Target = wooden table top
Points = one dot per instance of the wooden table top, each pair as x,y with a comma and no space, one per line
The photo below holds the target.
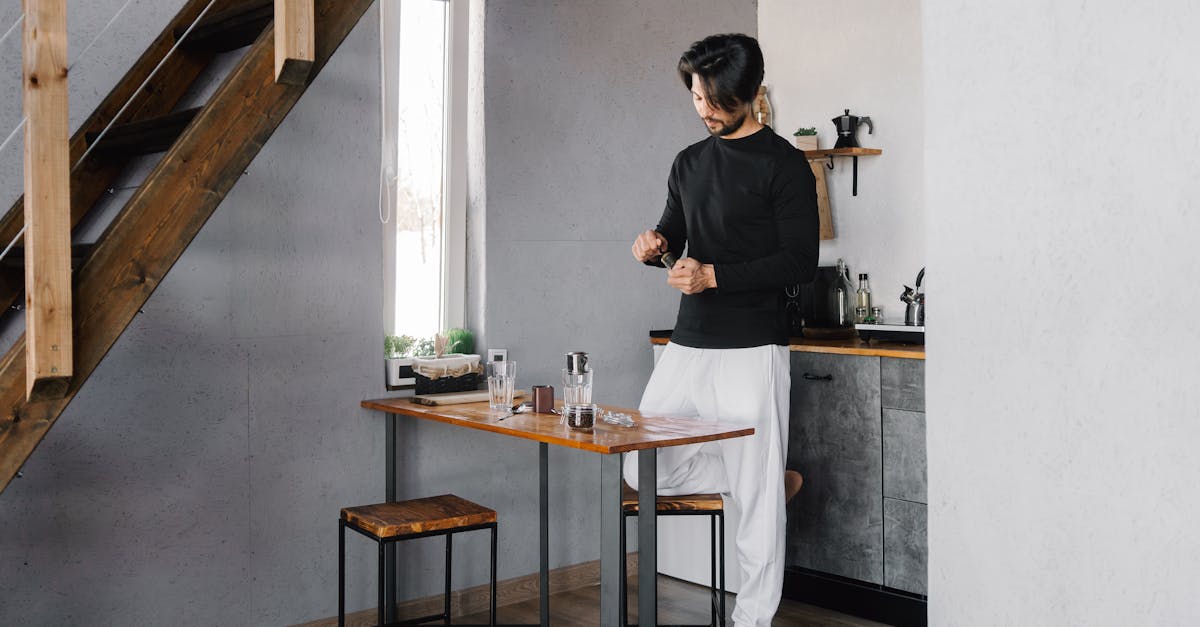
648,432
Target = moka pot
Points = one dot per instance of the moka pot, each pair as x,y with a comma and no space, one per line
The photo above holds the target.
847,129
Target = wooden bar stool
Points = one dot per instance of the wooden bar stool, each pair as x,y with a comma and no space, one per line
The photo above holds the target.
386,523
709,505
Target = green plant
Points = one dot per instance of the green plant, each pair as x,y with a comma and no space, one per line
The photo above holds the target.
809,130
460,341
397,346
424,347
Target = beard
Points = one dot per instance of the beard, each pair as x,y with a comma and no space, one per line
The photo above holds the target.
725,129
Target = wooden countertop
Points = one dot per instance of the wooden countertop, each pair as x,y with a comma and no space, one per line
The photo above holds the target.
847,346
648,432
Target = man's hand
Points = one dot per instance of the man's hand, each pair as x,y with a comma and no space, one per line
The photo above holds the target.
691,277
649,245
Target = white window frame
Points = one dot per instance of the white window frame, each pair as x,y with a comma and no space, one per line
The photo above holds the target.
452,296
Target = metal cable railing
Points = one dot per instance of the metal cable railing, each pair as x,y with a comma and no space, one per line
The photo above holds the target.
120,111
12,28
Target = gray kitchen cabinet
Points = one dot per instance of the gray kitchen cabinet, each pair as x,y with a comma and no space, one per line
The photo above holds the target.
904,469
835,524
905,547
903,383
904,473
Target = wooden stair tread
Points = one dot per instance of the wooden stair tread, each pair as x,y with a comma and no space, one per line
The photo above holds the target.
435,513
16,256
144,137
236,27
681,503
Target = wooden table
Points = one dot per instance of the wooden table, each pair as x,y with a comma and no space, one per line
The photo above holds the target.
611,441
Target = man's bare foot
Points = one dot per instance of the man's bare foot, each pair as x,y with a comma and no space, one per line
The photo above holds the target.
792,481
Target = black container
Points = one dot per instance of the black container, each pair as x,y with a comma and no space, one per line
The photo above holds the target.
440,385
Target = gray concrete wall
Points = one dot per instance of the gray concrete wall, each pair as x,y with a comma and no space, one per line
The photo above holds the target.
197,476
585,114
196,479
98,54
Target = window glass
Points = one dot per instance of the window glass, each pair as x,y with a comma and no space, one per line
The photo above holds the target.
420,177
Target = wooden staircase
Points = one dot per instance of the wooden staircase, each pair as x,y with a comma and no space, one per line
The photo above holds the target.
207,149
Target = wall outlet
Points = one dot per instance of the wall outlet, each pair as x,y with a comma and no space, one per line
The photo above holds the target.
497,354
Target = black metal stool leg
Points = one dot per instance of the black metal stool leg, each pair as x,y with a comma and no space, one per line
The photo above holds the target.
721,536
382,603
492,611
341,573
449,553
712,562
624,592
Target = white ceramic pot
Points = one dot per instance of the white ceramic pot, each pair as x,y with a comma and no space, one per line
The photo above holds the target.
393,371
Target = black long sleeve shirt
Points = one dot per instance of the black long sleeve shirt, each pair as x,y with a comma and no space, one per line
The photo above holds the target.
749,207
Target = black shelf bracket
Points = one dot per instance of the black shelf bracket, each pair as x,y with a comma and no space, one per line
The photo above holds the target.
854,176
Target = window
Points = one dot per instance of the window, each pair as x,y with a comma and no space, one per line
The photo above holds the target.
423,195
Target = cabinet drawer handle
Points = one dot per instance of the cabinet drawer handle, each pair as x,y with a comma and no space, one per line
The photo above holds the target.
813,377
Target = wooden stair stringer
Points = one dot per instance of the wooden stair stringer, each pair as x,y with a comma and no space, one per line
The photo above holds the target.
160,220
91,179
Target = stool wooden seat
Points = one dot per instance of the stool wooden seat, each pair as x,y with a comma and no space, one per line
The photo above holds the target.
387,523
436,513
666,504
711,505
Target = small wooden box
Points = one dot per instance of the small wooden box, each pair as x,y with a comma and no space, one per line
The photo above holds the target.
807,142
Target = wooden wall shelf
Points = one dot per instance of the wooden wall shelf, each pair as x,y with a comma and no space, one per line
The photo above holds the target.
854,153
841,152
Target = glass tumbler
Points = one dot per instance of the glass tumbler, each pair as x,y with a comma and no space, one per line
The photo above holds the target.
577,387
501,379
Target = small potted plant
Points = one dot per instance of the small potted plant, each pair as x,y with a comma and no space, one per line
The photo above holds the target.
397,356
806,138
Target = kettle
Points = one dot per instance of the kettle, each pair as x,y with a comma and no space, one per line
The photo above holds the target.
847,126
914,314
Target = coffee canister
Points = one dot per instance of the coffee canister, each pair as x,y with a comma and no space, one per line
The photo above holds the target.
543,399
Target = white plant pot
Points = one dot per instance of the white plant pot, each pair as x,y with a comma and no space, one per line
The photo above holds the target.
807,142
393,371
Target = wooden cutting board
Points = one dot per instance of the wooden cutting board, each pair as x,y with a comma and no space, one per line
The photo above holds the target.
457,398
826,216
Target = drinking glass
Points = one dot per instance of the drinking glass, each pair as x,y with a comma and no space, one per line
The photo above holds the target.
577,387
501,378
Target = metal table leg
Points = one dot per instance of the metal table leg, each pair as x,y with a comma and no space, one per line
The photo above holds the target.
544,533
610,539
389,556
647,538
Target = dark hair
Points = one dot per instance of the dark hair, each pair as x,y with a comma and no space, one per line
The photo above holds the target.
730,69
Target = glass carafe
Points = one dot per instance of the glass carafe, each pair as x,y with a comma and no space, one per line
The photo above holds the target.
577,380
577,387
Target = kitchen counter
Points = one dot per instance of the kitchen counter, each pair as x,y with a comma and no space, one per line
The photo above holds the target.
847,346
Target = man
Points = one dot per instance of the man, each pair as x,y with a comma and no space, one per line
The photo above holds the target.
743,202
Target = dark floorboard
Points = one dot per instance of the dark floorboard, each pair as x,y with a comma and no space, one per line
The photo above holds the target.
679,602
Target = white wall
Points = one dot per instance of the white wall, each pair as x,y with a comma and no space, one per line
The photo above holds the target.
1063,410
824,56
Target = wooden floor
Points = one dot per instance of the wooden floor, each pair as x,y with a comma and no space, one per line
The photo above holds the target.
679,602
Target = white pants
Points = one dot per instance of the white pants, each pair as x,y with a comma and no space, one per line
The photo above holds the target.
739,386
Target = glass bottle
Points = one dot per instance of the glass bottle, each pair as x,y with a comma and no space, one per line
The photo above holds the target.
864,298
841,303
